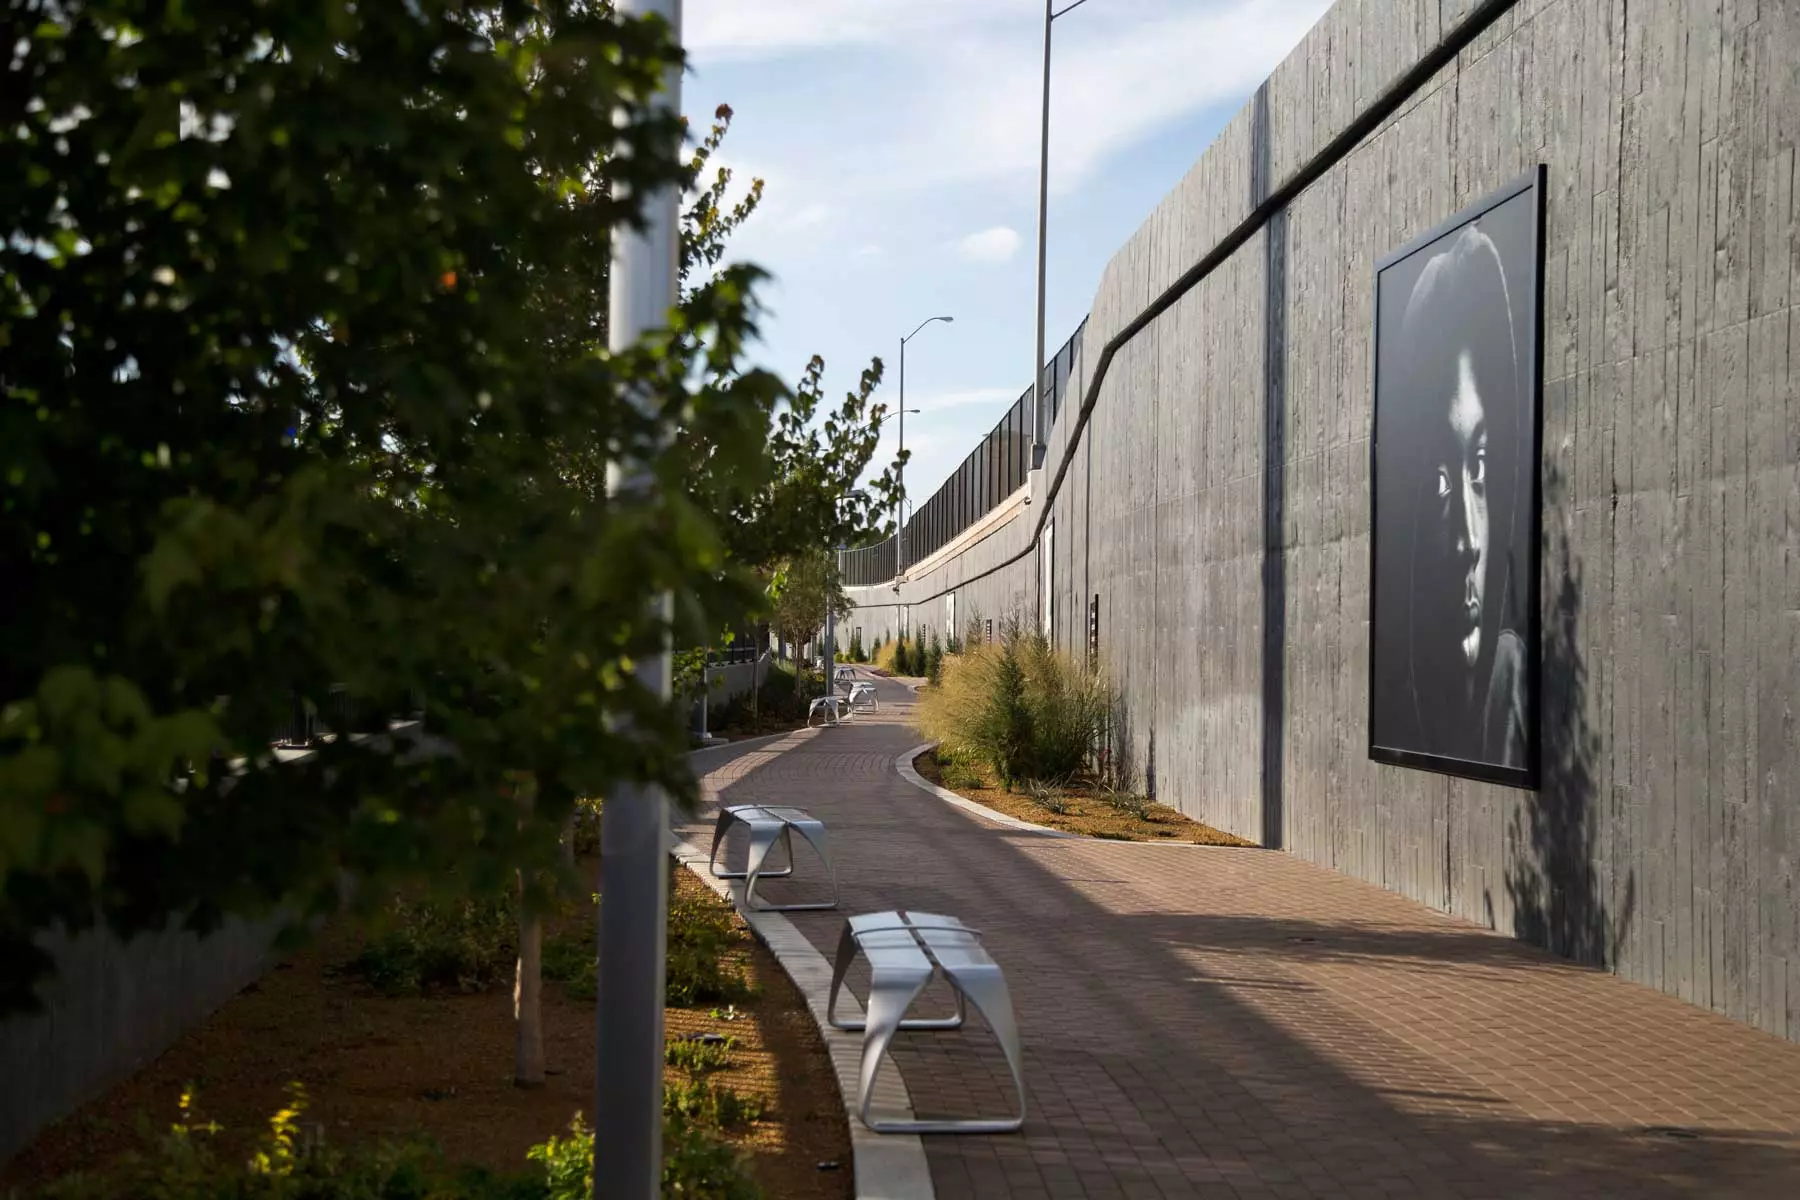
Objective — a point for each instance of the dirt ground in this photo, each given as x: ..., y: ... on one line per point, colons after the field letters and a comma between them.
x: 1086, y: 814
x: 377, y: 1066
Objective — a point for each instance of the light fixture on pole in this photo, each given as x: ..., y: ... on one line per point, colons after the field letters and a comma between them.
x: 1051, y: 12
x: 899, y: 521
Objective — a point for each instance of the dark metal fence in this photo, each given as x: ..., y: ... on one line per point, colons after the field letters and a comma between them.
x: 994, y: 470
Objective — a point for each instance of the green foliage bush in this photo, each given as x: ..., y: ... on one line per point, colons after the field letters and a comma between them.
x: 696, y: 1164
x: 934, y: 661
x: 711, y: 1105
x: 1020, y: 706
x: 700, y: 933
x: 568, y: 958
x: 857, y: 655
x: 465, y: 944
x: 781, y: 700
x: 276, y: 419
x: 289, y: 1162
x: 698, y: 1057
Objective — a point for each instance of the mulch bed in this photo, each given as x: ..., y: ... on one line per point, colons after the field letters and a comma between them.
x: 376, y: 1066
x: 1086, y: 812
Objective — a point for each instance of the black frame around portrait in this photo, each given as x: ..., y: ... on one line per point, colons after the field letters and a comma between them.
x: 1528, y: 776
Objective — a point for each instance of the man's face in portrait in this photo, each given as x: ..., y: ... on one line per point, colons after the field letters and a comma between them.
x: 1458, y: 489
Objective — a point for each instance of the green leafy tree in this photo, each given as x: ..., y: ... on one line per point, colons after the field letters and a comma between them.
x: 808, y: 586
x: 305, y: 383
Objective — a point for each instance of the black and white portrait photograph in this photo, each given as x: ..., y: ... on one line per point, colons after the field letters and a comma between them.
x: 1453, y: 643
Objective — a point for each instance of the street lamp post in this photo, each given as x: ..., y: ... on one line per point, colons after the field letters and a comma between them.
x: 899, y: 521
x: 634, y: 828
x: 1051, y: 12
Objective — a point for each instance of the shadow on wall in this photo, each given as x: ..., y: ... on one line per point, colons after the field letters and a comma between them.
x: 1557, y: 896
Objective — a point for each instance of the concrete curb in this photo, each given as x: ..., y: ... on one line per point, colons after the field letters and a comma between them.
x: 908, y: 772
x: 887, y: 1166
x: 904, y: 765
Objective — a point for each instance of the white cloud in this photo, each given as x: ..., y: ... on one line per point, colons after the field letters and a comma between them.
x: 871, y: 250
x: 726, y: 30
x: 990, y: 245
x: 938, y: 402
x: 1113, y: 83
x: 810, y: 216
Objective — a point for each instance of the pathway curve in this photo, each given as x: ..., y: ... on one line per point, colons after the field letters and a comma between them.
x: 1235, y: 1022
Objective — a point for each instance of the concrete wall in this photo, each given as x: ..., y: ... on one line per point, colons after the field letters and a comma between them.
x: 1233, y: 576
x: 112, y: 1008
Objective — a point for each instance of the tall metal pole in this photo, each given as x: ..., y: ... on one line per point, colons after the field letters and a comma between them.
x: 900, y: 477
x: 1037, y: 363
x: 634, y: 826
x: 831, y: 628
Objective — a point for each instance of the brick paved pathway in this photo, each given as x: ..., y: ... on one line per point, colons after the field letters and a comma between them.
x: 1217, y: 1022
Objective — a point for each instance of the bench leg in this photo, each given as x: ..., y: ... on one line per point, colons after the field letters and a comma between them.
x: 762, y: 840
x: 815, y: 837
x: 840, y: 967
x: 986, y: 990
x: 889, y: 998
x: 719, y: 833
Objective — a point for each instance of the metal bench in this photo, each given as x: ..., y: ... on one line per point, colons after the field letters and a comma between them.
x: 862, y: 698
x: 768, y: 824
x: 905, y: 949
x: 833, y: 707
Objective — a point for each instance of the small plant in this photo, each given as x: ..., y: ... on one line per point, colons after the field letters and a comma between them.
x: 698, y: 1057
x: 957, y: 770
x: 934, y: 661
x: 711, y: 1104
x: 290, y: 1161
x: 1123, y: 800
x: 696, y: 1164
x: 856, y: 648
x: 1048, y: 796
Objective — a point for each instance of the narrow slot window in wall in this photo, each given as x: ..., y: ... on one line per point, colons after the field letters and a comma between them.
x: 1093, y: 631
x: 1047, y: 552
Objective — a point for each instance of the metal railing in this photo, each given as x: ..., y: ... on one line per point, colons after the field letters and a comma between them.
x: 994, y: 470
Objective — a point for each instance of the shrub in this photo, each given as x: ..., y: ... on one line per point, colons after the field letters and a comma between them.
x: 568, y: 959
x: 700, y: 932
x: 288, y: 1162
x: 934, y: 661
x: 856, y: 648
x: 1020, y: 706
x: 779, y: 702
x: 464, y: 945
x: 1068, y: 702
x: 886, y: 657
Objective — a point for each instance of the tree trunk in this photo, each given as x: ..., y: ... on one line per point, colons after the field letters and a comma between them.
x: 528, y: 988
x: 528, y: 973
x: 756, y: 685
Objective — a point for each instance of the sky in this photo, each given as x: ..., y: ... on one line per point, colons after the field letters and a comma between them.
x: 898, y: 142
